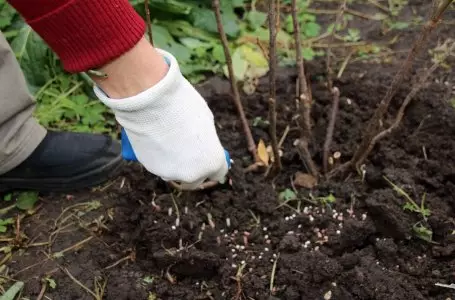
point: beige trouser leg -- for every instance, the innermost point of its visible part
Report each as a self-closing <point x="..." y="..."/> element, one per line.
<point x="20" y="133"/>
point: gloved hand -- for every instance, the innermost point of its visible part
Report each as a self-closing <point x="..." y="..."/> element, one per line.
<point x="171" y="130"/>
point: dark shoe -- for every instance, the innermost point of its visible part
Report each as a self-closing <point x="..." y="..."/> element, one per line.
<point x="66" y="161"/>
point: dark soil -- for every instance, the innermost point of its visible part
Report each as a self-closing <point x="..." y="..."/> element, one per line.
<point x="361" y="247"/>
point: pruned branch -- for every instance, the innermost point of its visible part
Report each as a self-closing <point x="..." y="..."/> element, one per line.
<point x="374" y="125"/>
<point x="331" y="127"/>
<point x="305" y="98"/>
<point x="273" y="16"/>
<point x="234" y="87"/>
<point x="148" y="21"/>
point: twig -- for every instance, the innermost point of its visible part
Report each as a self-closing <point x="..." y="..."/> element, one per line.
<point x="331" y="126"/>
<point x="329" y="49"/>
<point x="348" y="10"/>
<point x="95" y="296"/>
<point x="129" y="257"/>
<point x="374" y="125"/>
<point x="305" y="100"/>
<point x="272" y="276"/>
<point x="344" y="64"/>
<point x="73" y="247"/>
<point x="405" y="104"/>
<point x="234" y="87"/>
<point x="380" y="6"/>
<point x="273" y="16"/>
<point x="149" y="21"/>
<point x="42" y="291"/>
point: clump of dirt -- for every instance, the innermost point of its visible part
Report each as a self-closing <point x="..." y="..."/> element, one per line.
<point x="235" y="242"/>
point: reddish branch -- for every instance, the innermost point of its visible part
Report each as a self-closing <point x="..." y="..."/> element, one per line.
<point x="234" y="87"/>
<point x="405" y="104"/>
<point x="273" y="15"/>
<point x="331" y="127"/>
<point x="333" y="90"/>
<point x="374" y="125"/>
<point x="305" y="98"/>
<point x="149" y="21"/>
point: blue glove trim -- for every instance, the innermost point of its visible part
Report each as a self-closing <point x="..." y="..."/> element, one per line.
<point x="127" y="149"/>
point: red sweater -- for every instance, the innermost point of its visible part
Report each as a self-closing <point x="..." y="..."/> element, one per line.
<point x="85" y="34"/>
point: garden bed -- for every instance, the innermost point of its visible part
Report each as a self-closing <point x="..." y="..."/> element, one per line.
<point x="362" y="246"/>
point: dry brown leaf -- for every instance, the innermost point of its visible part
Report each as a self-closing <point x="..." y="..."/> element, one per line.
<point x="262" y="152"/>
<point x="305" y="180"/>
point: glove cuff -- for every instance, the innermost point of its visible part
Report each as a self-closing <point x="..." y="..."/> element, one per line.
<point x="150" y="98"/>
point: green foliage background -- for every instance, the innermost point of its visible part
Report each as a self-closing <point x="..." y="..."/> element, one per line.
<point x="186" y="28"/>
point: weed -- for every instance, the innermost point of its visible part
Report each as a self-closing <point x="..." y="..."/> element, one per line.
<point x="420" y="228"/>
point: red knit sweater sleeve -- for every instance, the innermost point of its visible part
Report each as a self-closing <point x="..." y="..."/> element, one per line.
<point x="85" y="34"/>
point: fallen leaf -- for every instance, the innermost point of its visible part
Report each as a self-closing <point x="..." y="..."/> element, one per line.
<point x="305" y="180"/>
<point x="262" y="153"/>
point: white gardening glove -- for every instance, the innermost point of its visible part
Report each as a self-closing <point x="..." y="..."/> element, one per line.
<point x="171" y="130"/>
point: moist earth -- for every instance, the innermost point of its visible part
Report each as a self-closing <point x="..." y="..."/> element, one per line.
<point x="236" y="242"/>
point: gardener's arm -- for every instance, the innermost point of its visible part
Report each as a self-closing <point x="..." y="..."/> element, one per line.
<point x="168" y="123"/>
<point x="89" y="34"/>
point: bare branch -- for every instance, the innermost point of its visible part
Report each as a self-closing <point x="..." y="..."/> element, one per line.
<point x="149" y="21"/>
<point x="305" y="98"/>
<point x="234" y="87"/>
<point x="273" y="16"/>
<point x="374" y="125"/>
<point x="330" y="127"/>
<point x="417" y="87"/>
<point x="329" y="49"/>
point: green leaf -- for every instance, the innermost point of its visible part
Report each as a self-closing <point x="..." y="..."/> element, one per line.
<point x="311" y="29"/>
<point x="423" y="232"/>
<point x="181" y="28"/>
<point x="193" y="43"/>
<point x="288" y="24"/>
<point x="51" y="282"/>
<point x="8" y="197"/>
<point x="11" y="293"/>
<point x="171" y="6"/>
<point x="4" y="223"/>
<point x="256" y="18"/>
<point x="308" y="53"/>
<point x="218" y="54"/>
<point x="26" y="200"/>
<point x="239" y="65"/>
<point x="305" y="17"/>
<point x="94" y="114"/>
<point x="248" y="62"/>
<point x="253" y="55"/>
<point x="148" y="279"/>
<point x="330" y="198"/>
<point x="204" y="18"/>
<point x="238" y="3"/>
<point x="7" y="14"/>
<point x="33" y="56"/>
<point x="287" y="195"/>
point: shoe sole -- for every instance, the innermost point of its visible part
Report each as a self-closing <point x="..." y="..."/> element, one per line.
<point x="87" y="180"/>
